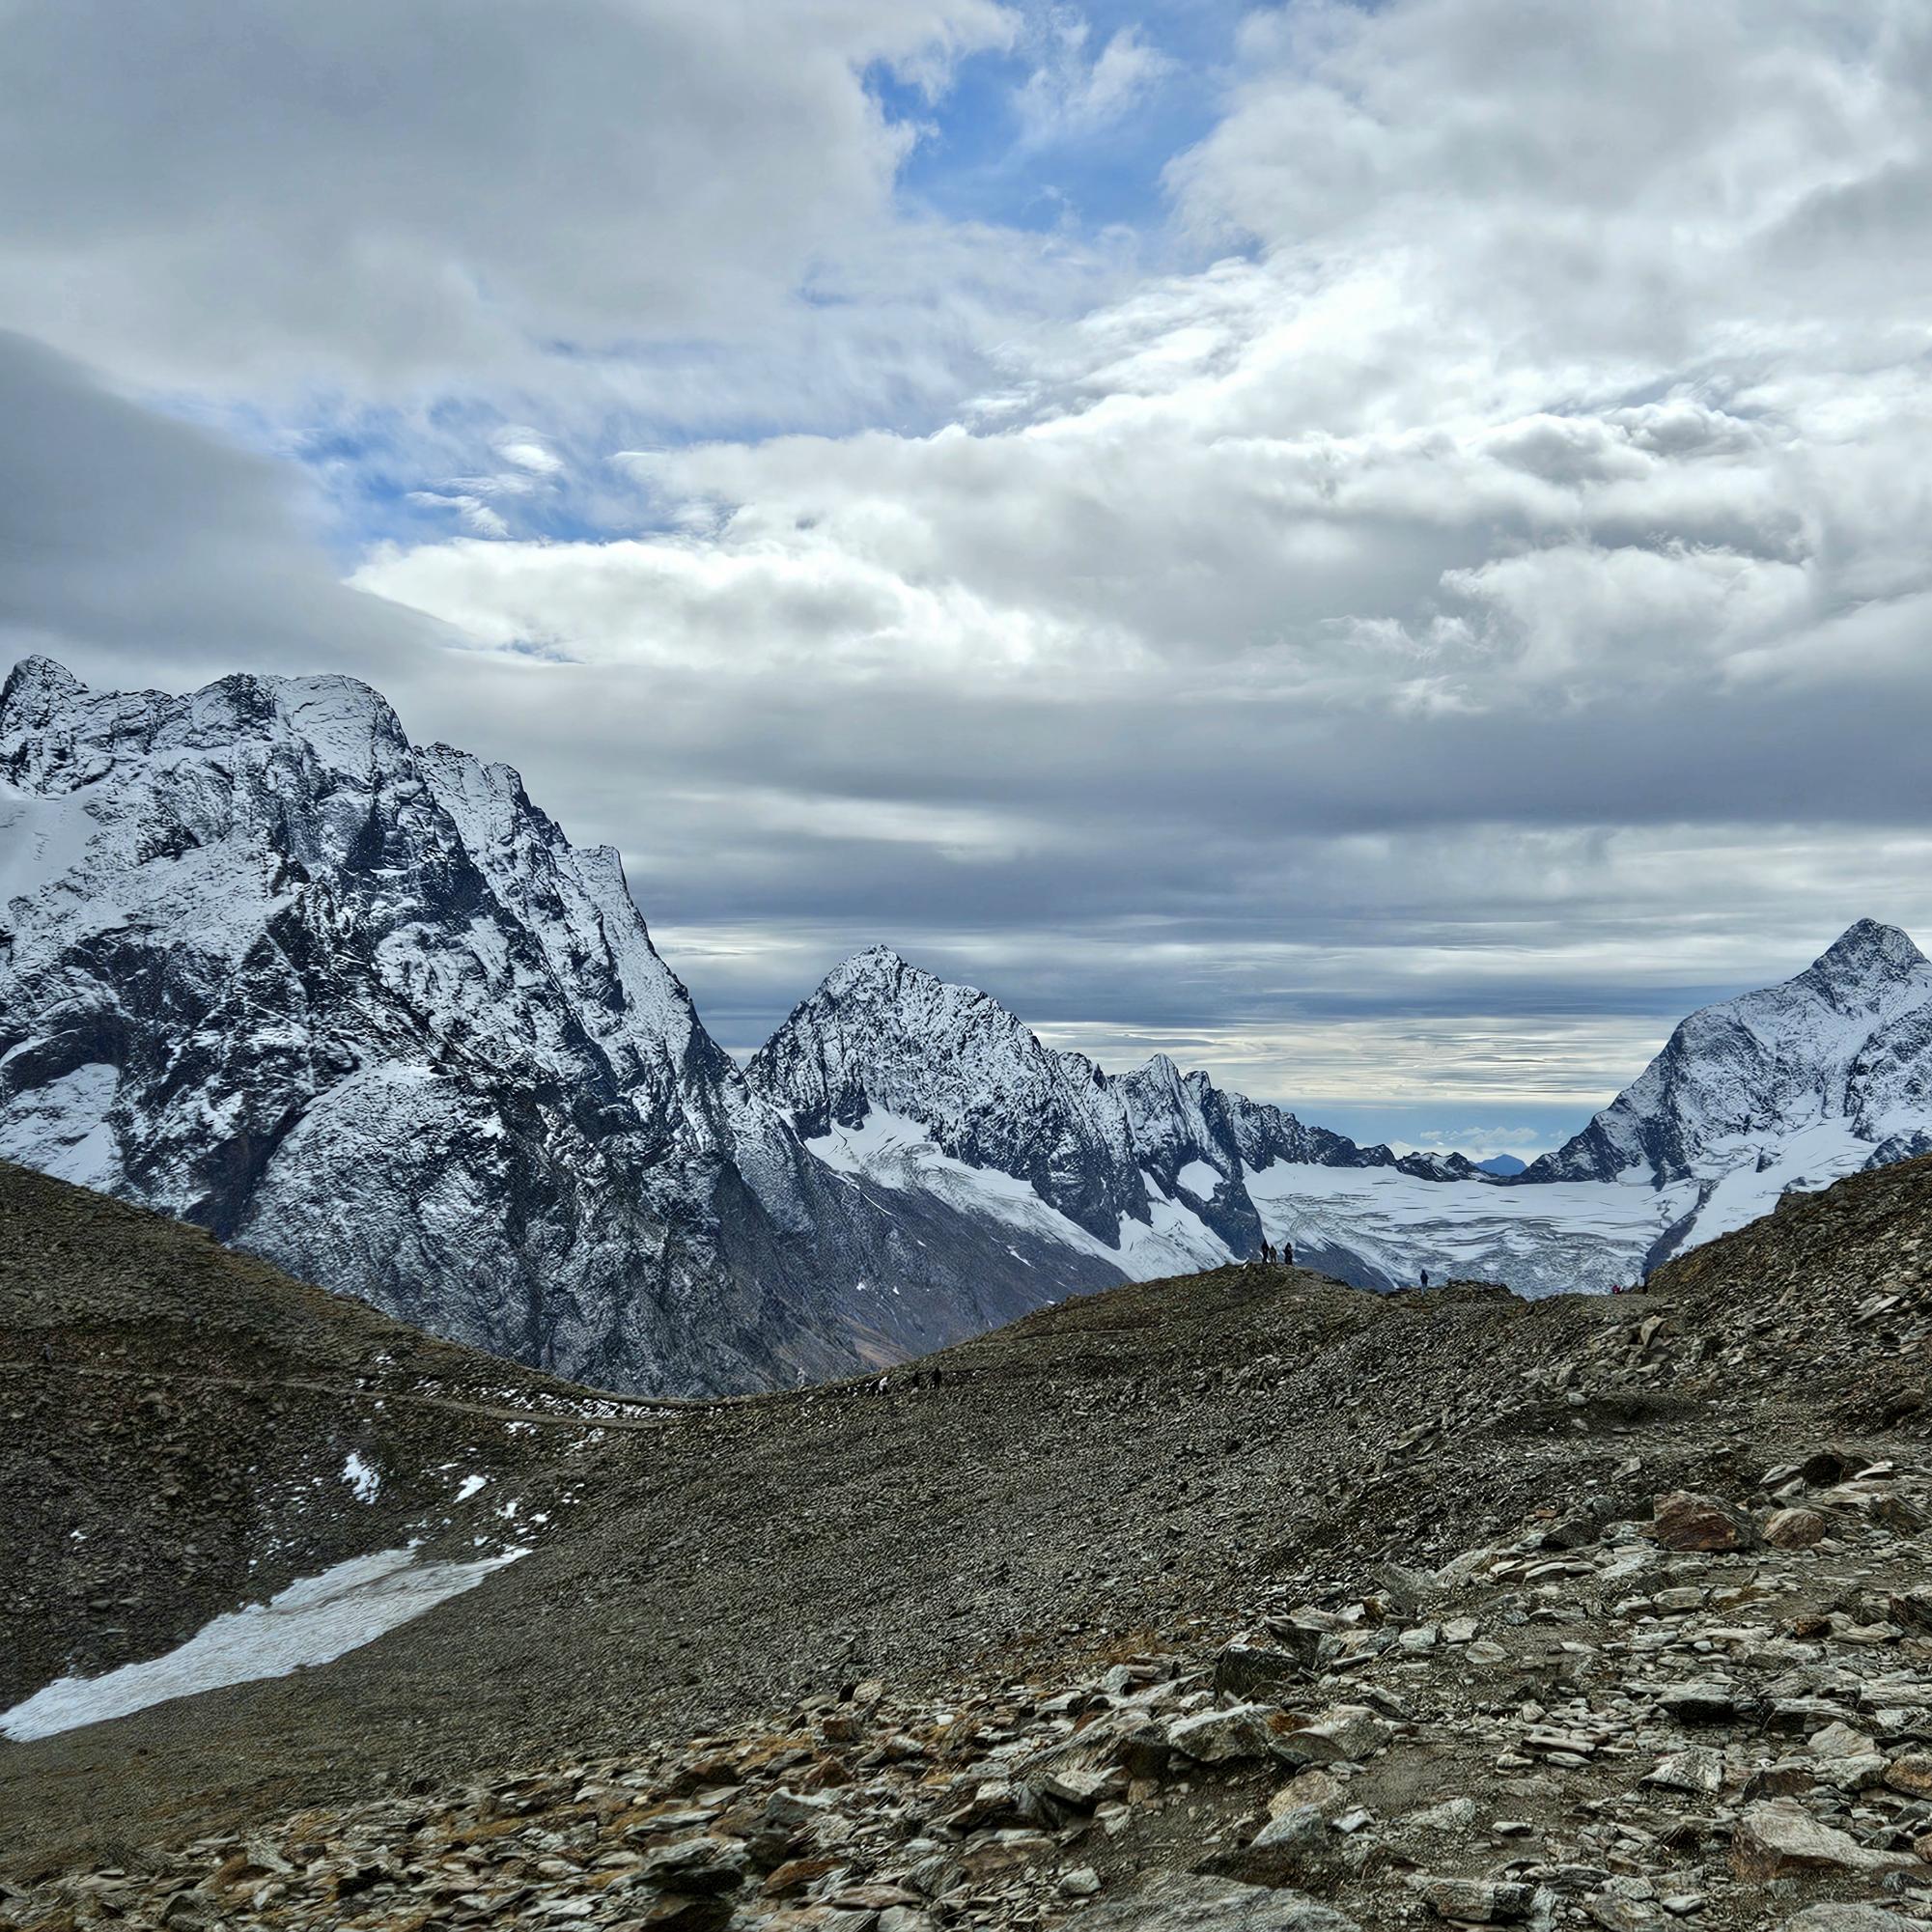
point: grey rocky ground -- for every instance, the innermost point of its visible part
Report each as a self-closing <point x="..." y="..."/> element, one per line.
<point x="1243" y="1601"/>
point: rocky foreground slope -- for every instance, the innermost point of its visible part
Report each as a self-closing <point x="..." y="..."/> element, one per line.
<point x="1245" y="1602"/>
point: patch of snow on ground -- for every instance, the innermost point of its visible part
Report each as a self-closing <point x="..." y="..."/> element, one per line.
<point x="1200" y="1178"/>
<point x="469" y="1486"/>
<point x="315" y="1619"/>
<point x="363" y="1481"/>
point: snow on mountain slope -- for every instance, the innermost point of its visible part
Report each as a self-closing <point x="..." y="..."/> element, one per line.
<point x="1135" y="1168"/>
<point x="897" y="1153"/>
<point x="362" y="1008"/>
<point x="1792" y="1087"/>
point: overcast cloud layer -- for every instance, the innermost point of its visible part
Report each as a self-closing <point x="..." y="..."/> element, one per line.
<point x="1394" y="566"/>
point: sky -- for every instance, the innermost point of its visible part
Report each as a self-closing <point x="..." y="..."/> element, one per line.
<point x="1379" y="549"/>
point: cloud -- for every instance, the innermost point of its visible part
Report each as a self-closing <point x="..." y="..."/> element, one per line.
<point x="1471" y="609"/>
<point x="1508" y="569"/>
<point x="370" y="193"/>
<point x="523" y="449"/>
<point x="142" y="550"/>
<point x="1076" y="88"/>
<point x="475" y="514"/>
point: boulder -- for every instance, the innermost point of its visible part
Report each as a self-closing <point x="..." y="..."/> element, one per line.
<point x="1340" y="1732"/>
<point x="1702" y="1701"/>
<point x="699" y="1865"/>
<point x="683" y="1911"/>
<point x="1911" y="1773"/>
<point x="1452" y="1814"/>
<point x="1778" y="1837"/>
<point x="1696" y="1770"/>
<point x="1476" y="1901"/>
<point x="1851" y="1919"/>
<point x="1795" y="1529"/>
<point x="1313" y="1786"/>
<point x="1860" y="1771"/>
<point x="1081" y="1790"/>
<point x="1686" y="1520"/>
<point x="1913" y="1610"/>
<point x="1839" y="1740"/>
<point x="1252" y="1666"/>
<point x="1223" y="1736"/>
<point x="1293" y="1847"/>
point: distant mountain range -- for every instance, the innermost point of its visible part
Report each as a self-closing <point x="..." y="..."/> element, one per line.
<point x="359" y="1007"/>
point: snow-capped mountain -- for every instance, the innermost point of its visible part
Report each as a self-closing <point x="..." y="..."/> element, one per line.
<point x="1793" y="1086"/>
<point x="359" y="1007"/>
<point x="919" y="1086"/>
<point x="1120" y="1158"/>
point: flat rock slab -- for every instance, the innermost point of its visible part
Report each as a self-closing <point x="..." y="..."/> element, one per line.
<point x="1851" y="1919"/>
<point x="1179" y="1902"/>
<point x="1779" y="1836"/>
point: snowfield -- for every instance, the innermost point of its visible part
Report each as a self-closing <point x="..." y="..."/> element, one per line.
<point x="1570" y="1234"/>
<point x="314" y="1620"/>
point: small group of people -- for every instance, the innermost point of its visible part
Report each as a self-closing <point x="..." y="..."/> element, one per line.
<point x="1272" y="1256"/>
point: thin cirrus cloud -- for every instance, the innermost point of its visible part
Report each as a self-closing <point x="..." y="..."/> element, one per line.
<point x="1441" y="593"/>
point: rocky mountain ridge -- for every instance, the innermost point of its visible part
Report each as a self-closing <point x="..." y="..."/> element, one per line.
<point x="881" y="1034"/>
<point x="359" y="1007"/>
<point x="1841" y="1054"/>
<point x="1785" y="1088"/>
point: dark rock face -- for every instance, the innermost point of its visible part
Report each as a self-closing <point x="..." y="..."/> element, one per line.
<point x="360" y="1008"/>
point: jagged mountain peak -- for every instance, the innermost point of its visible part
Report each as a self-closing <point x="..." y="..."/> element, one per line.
<point x="41" y="680"/>
<point x="877" y="968"/>
<point x="879" y="1031"/>
<point x="1149" y="1162"/>
<point x="1869" y="953"/>
<point x="362" y="1008"/>
<point x="38" y="680"/>
<point x="58" y="732"/>
<point x="1833" y="1065"/>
